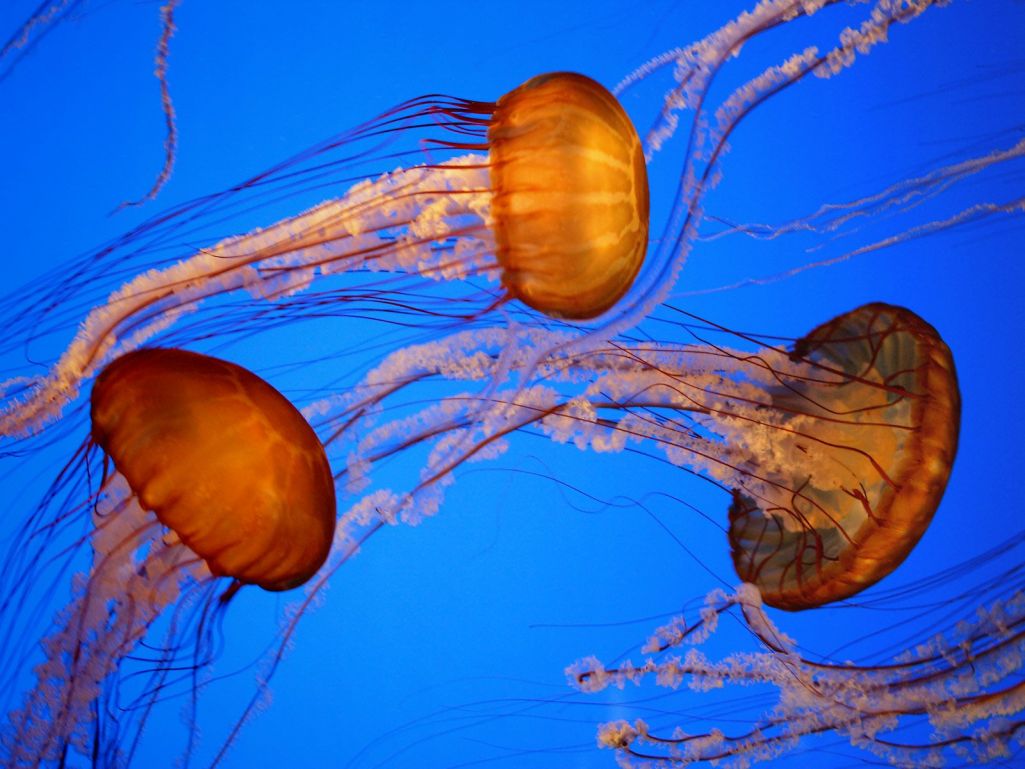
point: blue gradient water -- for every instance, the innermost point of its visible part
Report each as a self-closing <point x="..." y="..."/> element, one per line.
<point x="444" y="645"/>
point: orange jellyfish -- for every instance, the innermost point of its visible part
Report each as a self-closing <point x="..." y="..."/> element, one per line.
<point x="882" y="411"/>
<point x="215" y="474"/>
<point x="837" y="451"/>
<point x="570" y="195"/>
<point x="557" y="210"/>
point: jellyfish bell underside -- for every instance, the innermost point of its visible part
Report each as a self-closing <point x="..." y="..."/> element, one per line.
<point x="873" y="422"/>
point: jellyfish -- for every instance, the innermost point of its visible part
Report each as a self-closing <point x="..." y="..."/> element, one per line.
<point x="836" y="452"/>
<point x="846" y="440"/>
<point x="558" y="207"/>
<point x="207" y="474"/>
<point x="830" y="536"/>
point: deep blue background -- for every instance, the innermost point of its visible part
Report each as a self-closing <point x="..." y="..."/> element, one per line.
<point x="444" y="645"/>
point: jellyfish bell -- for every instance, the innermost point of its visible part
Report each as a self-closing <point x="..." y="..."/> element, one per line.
<point x="570" y="201"/>
<point x="883" y="398"/>
<point x="215" y="474"/>
<point x="223" y="459"/>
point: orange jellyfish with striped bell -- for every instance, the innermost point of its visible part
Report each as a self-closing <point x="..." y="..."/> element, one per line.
<point x="205" y="473"/>
<point x="557" y="211"/>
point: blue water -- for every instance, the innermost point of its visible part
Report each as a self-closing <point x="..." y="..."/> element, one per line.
<point x="444" y="645"/>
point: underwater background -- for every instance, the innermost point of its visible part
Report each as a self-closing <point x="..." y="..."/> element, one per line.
<point x="445" y="644"/>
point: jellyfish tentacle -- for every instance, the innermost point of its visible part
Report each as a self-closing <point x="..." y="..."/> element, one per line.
<point x="350" y="233"/>
<point x="115" y="604"/>
<point x="964" y="677"/>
